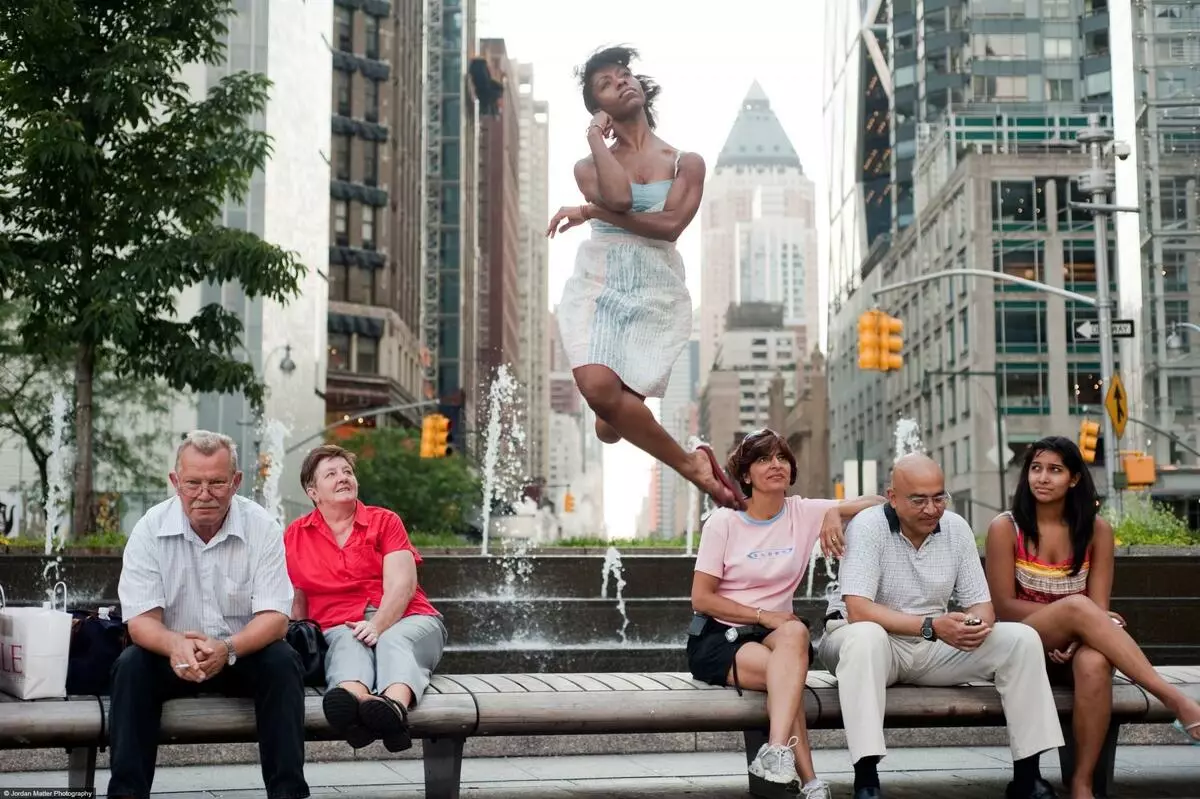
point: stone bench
(460, 706)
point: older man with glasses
(904, 562)
(205, 588)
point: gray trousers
(406, 653)
(866, 660)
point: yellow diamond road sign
(1117, 404)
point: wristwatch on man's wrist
(231, 655)
(927, 631)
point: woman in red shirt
(355, 573)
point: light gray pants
(866, 660)
(406, 653)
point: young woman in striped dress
(626, 314)
(1050, 564)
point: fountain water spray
(499, 452)
(612, 565)
(273, 433)
(57, 475)
(907, 437)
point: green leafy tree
(432, 495)
(112, 182)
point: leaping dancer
(626, 313)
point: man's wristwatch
(927, 631)
(231, 656)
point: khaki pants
(866, 660)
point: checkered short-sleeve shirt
(883, 566)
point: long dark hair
(1079, 508)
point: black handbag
(96, 643)
(306, 638)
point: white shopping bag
(34, 648)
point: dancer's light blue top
(646, 197)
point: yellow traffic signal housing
(1139, 469)
(427, 437)
(1089, 437)
(441, 435)
(868, 340)
(569, 503)
(891, 344)
(435, 436)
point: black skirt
(710, 656)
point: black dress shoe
(1041, 790)
(868, 793)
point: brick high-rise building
(375, 237)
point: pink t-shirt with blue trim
(761, 562)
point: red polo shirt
(340, 582)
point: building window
(366, 357)
(368, 227)
(341, 222)
(1025, 388)
(361, 285)
(1018, 258)
(1067, 191)
(371, 100)
(339, 352)
(1056, 49)
(965, 330)
(341, 156)
(1084, 387)
(1003, 89)
(342, 83)
(370, 151)
(1021, 327)
(1056, 9)
(1060, 90)
(371, 28)
(998, 46)
(343, 24)
(1174, 271)
(1014, 204)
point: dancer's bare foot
(606, 432)
(700, 473)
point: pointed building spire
(757, 139)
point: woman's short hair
(759, 444)
(314, 458)
(619, 56)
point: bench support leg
(760, 788)
(1103, 777)
(443, 767)
(81, 767)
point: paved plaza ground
(1143, 772)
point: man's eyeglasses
(919, 501)
(193, 488)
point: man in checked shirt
(205, 590)
(903, 562)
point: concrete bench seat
(460, 706)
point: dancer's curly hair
(620, 56)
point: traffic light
(569, 503)
(879, 341)
(1089, 437)
(890, 343)
(435, 436)
(868, 340)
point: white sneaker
(816, 789)
(774, 763)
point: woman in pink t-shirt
(747, 569)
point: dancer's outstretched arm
(683, 201)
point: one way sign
(1089, 330)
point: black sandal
(387, 720)
(341, 709)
